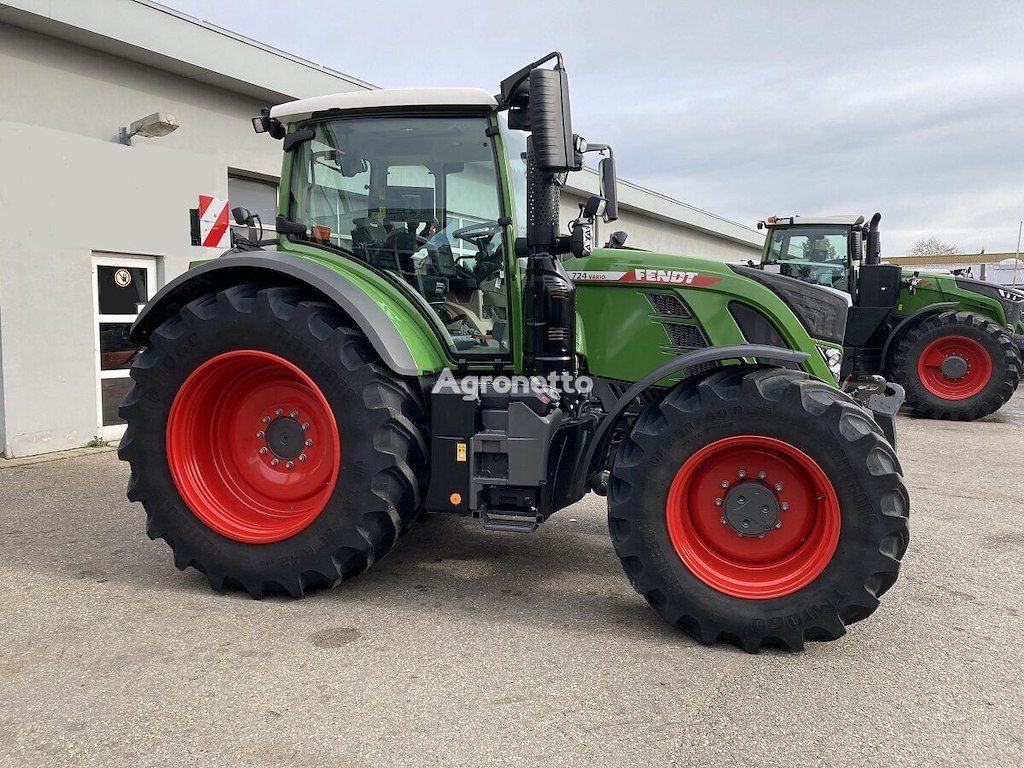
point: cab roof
(795, 221)
(295, 111)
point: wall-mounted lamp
(150, 126)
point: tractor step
(513, 521)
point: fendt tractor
(423, 339)
(954, 344)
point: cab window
(417, 199)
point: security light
(151, 126)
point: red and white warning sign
(213, 222)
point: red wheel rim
(946, 384)
(253, 446)
(801, 499)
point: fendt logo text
(671, 276)
(664, 276)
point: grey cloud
(742, 108)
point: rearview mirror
(551, 122)
(609, 188)
(242, 216)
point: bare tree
(932, 246)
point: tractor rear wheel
(269, 447)
(758, 507)
(957, 365)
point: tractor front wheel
(269, 447)
(957, 365)
(759, 507)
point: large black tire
(376, 495)
(808, 416)
(936, 397)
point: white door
(121, 286)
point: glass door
(121, 287)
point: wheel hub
(285, 437)
(751, 508)
(954, 367)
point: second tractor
(953, 343)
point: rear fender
(407, 347)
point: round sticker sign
(123, 278)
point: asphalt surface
(467, 647)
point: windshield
(418, 199)
(812, 254)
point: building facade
(91, 227)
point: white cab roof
(805, 220)
(295, 111)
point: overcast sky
(744, 109)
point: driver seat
(447, 267)
(402, 243)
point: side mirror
(242, 216)
(351, 166)
(609, 188)
(551, 122)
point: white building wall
(71, 190)
(657, 223)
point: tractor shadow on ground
(564, 574)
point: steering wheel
(478, 231)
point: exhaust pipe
(874, 241)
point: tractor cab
(413, 192)
(427, 187)
(822, 250)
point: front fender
(405, 346)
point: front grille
(686, 336)
(668, 305)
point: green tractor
(954, 344)
(425, 339)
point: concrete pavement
(466, 647)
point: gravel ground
(467, 647)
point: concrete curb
(43, 458)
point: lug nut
(274, 462)
(762, 475)
(302, 457)
(746, 523)
(305, 425)
(742, 473)
(778, 486)
(764, 510)
(263, 451)
(309, 442)
(279, 412)
(725, 483)
(779, 525)
(266, 419)
(294, 414)
(261, 434)
(741, 500)
(289, 465)
(718, 502)
(723, 521)
(784, 505)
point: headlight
(833, 359)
